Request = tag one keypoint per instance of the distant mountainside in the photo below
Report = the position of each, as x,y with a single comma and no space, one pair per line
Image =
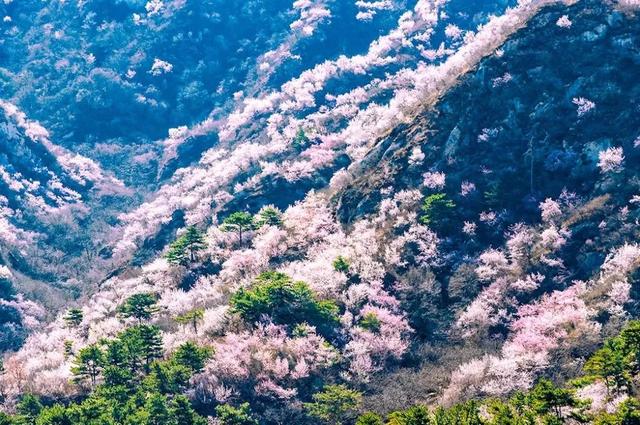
339,208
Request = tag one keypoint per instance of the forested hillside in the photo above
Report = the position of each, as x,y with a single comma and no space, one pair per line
325,212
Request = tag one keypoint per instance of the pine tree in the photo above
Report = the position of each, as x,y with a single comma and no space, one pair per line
29,408
124,356
183,413
192,356
74,317
546,397
285,302
54,415
415,415
229,415
301,140
609,363
437,209
192,317
157,410
151,343
177,253
334,405
238,222
341,264
269,216
139,306
630,337
369,418
68,349
88,364
184,250
193,242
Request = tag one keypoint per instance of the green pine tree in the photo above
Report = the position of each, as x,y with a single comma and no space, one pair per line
341,264
192,356
241,415
268,216
334,405
191,317
68,349
139,306
74,317
369,418
88,364
415,415
184,249
183,413
28,408
609,363
151,343
239,223
437,210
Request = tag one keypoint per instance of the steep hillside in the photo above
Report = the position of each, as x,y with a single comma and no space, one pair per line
48,194
379,234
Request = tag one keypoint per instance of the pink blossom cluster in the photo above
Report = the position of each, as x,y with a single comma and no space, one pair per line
266,358
610,160
414,88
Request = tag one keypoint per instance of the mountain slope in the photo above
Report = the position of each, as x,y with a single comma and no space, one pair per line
471,235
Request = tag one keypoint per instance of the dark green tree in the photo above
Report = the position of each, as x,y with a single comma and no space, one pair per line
192,356
269,216
68,349
437,210
369,418
334,405
630,337
139,306
415,415
191,317
177,253
6,419
241,415
341,264
609,363
545,397
629,411
370,322
167,377
183,413
459,414
74,317
54,415
239,223
157,410
133,395
124,358
150,343
88,364
301,141
28,408
514,412
184,249
285,302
